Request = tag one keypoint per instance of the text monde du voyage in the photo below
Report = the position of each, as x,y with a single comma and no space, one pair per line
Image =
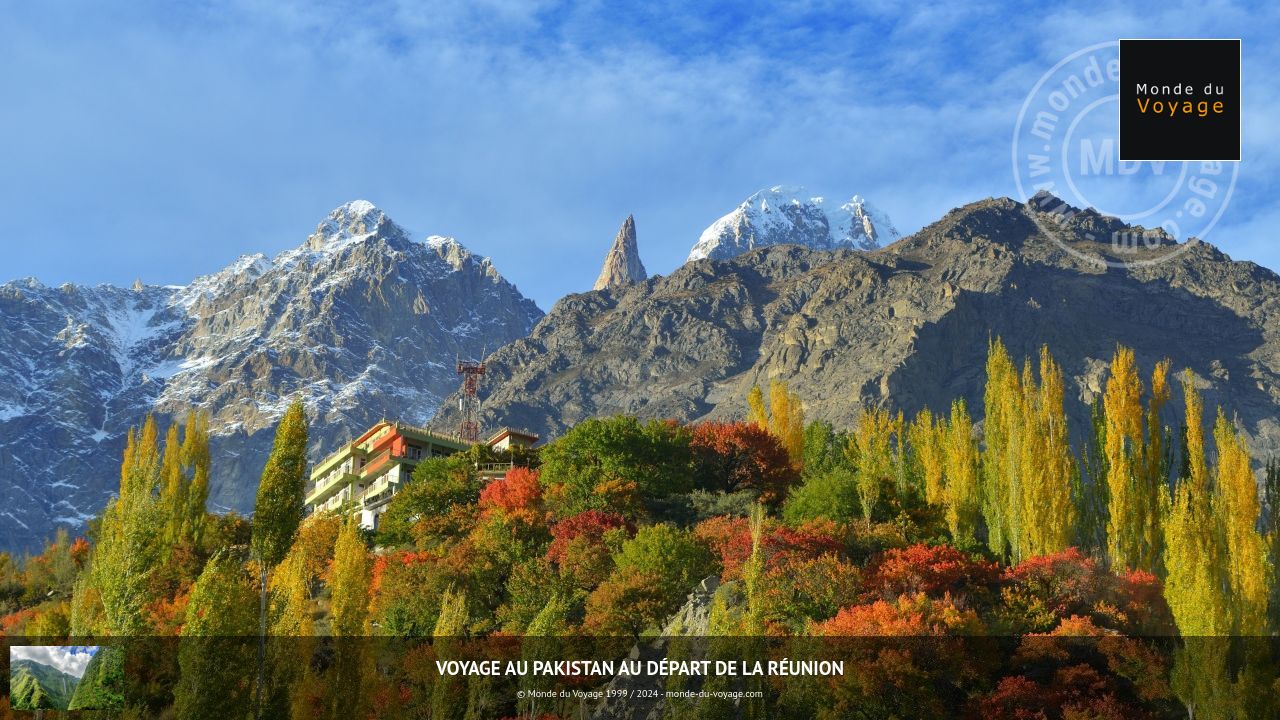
1180,99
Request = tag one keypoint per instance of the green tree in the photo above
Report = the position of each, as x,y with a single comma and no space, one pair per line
442,487
654,573
215,652
616,464
223,602
1271,529
196,466
278,508
831,494
129,548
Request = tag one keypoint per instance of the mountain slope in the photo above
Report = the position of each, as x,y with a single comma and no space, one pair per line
906,325
361,320
102,687
784,215
34,685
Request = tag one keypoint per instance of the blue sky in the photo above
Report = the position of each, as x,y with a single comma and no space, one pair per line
161,140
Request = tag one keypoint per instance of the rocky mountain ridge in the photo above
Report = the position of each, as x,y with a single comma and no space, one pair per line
906,326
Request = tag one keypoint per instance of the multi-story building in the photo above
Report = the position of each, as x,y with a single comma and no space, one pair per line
364,474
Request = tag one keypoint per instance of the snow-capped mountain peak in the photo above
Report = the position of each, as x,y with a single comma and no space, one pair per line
788,214
360,320
350,223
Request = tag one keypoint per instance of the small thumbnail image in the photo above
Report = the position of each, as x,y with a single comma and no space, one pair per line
65,677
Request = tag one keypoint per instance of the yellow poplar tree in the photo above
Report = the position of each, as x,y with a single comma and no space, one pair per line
290,587
1155,471
1193,554
871,449
1136,464
925,438
1001,427
757,414
784,417
786,420
350,583
963,491
1238,509
1123,411
1045,465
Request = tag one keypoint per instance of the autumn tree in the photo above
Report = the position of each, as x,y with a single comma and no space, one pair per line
350,584
784,417
874,450
1194,556
1249,574
1001,428
1045,464
925,439
1135,462
291,597
962,491
729,457
1028,467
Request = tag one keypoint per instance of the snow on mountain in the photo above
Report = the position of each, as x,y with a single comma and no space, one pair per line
788,215
360,320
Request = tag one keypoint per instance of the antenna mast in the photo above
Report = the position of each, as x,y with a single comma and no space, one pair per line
469,403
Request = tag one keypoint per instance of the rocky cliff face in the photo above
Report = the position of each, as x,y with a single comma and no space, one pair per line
361,320
622,265
790,216
905,326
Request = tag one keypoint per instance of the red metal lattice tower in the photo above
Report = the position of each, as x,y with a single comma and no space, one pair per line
469,403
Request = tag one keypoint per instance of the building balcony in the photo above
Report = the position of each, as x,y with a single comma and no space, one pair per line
319,492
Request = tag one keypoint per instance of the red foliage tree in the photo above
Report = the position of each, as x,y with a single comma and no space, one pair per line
740,456
929,569
518,495
589,524
79,551
731,539
1068,583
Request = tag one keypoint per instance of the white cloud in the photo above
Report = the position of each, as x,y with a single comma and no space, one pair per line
528,130
70,659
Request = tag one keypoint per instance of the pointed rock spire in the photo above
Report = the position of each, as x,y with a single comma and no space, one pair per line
622,265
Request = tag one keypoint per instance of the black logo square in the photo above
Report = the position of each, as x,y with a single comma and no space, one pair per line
1179,100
